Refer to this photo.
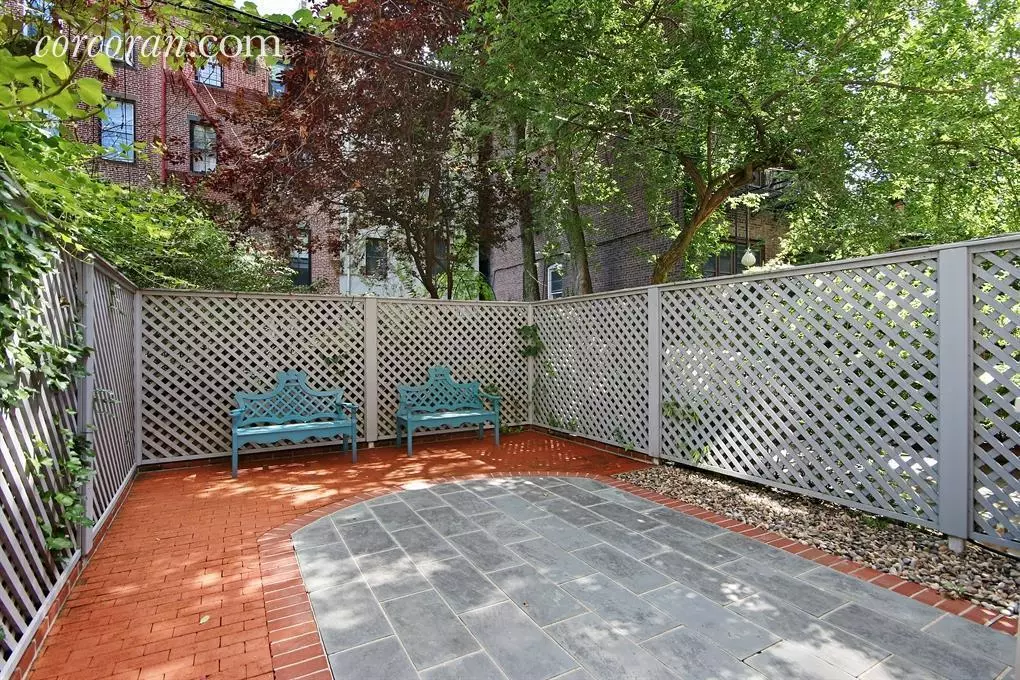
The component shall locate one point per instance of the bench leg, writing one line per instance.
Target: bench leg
(410, 435)
(233, 459)
(496, 431)
(354, 444)
(481, 431)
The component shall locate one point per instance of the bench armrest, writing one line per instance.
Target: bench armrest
(350, 407)
(494, 398)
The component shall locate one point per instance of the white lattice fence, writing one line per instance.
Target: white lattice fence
(30, 573)
(475, 340)
(199, 349)
(822, 383)
(113, 411)
(996, 394)
(592, 375)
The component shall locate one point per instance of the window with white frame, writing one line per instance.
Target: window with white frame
(554, 281)
(375, 257)
(210, 73)
(117, 130)
(203, 147)
(301, 258)
(37, 14)
(276, 85)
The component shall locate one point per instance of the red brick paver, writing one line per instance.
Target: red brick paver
(178, 589)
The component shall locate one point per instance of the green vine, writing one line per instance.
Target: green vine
(72, 471)
(533, 344)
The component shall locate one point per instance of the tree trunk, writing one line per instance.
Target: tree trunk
(706, 207)
(486, 197)
(575, 229)
(526, 217)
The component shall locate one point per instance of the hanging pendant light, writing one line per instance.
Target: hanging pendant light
(748, 260)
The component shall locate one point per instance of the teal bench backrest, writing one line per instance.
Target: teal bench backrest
(439, 393)
(292, 400)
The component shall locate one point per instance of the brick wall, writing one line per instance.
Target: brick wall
(622, 243)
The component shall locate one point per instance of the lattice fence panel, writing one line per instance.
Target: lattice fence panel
(996, 396)
(475, 340)
(823, 383)
(113, 409)
(29, 572)
(198, 350)
(592, 375)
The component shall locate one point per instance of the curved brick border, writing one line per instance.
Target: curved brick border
(297, 651)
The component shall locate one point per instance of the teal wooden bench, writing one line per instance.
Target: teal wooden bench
(292, 411)
(442, 402)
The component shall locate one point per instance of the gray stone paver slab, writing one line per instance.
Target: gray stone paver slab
(447, 521)
(969, 635)
(380, 660)
(422, 544)
(326, 566)
(428, 629)
(912, 612)
(485, 552)
(786, 588)
(693, 657)
(923, 649)
(535, 595)
(477, 666)
(794, 661)
(516, 643)
(621, 514)
(504, 529)
(714, 584)
(777, 559)
(605, 653)
(563, 534)
(518, 508)
(688, 544)
(619, 607)
(634, 544)
(842, 649)
(396, 515)
(348, 616)
(569, 579)
(461, 585)
(364, 538)
(723, 628)
(622, 568)
(391, 574)
(467, 503)
(552, 561)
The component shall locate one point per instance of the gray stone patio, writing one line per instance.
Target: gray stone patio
(539, 578)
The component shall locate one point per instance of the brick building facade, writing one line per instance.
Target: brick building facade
(621, 244)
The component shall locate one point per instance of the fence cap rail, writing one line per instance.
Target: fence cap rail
(191, 292)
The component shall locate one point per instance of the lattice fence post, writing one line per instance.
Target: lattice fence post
(86, 392)
(136, 349)
(371, 370)
(955, 412)
(654, 374)
(531, 371)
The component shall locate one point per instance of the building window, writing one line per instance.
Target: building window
(117, 130)
(277, 88)
(37, 14)
(301, 258)
(210, 73)
(728, 260)
(554, 281)
(116, 46)
(375, 257)
(203, 148)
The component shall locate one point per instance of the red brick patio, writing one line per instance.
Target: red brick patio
(175, 589)
(179, 586)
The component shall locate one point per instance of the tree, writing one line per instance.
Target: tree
(395, 146)
(866, 106)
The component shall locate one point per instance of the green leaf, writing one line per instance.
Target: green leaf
(91, 91)
(102, 61)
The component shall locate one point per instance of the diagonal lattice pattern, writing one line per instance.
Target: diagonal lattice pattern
(592, 375)
(113, 395)
(199, 350)
(476, 341)
(823, 383)
(996, 364)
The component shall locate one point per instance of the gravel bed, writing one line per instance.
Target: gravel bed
(983, 576)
